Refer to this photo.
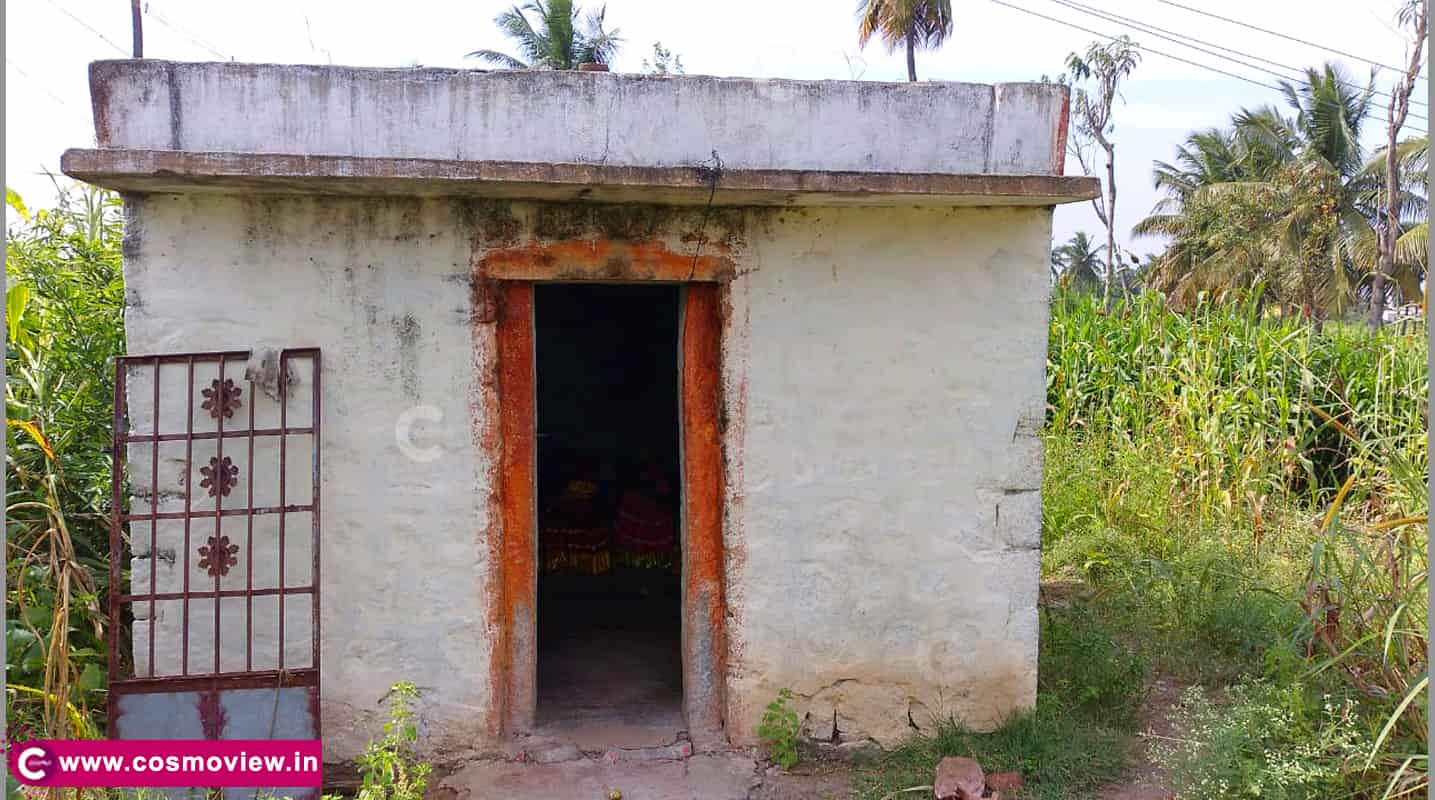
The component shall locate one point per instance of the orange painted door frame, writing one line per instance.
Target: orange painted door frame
(704, 640)
(703, 612)
(515, 654)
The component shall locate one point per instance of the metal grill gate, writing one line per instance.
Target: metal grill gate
(216, 512)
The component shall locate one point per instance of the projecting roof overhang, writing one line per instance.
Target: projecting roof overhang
(272, 173)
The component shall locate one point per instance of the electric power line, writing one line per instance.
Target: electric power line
(1142, 47)
(1151, 50)
(1295, 39)
(187, 34)
(1183, 40)
(38, 82)
(87, 27)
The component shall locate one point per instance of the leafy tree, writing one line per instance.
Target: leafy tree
(1102, 67)
(914, 24)
(665, 62)
(556, 38)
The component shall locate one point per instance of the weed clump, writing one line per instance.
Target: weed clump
(389, 765)
(779, 730)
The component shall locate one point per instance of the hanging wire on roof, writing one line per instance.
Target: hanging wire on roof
(712, 170)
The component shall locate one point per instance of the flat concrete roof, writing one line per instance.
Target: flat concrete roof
(180, 172)
(180, 127)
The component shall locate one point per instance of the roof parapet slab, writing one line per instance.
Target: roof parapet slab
(569, 117)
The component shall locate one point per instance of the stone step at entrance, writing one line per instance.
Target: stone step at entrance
(704, 776)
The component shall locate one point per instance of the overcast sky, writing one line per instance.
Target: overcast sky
(49, 42)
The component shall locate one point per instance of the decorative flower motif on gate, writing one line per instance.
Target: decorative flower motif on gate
(221, 399)
(218, 556)
(219, 476)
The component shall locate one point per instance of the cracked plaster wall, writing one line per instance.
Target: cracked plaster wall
(883, 383)
(887, 366)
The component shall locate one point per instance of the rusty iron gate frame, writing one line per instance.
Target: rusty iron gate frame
(221, 399)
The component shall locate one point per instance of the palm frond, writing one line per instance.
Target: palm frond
(547, 35)
(1363, 247)
(1413, 246)
(514, 24)
(1252, 191)
(1160, 225)
(598, 45)
(930, 22)
(498, 59)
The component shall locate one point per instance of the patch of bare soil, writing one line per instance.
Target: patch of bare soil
(820, 775)
(1145, 779)
(827, 783)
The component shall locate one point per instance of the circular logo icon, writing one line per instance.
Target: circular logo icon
(34, 763)
(404, 433)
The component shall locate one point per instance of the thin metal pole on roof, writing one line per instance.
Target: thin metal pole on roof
(137, 26)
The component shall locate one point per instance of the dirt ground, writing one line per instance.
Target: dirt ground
(739, 776)
(819, 776)
(734, 775)
(1145, 779)
(826, 782)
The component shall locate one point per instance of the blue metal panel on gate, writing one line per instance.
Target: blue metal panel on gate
(268, 713)
(157, 715)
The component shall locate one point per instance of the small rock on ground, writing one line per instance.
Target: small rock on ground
(959, 778)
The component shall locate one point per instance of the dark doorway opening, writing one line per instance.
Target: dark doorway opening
(608, 491)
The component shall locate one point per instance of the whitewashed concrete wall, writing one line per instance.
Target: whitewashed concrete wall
(382, 287)
(883, 519)
(581, 117)
(883, 382)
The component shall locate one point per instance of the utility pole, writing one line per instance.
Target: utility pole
(137, 25)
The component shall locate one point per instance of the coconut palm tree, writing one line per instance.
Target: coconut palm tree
(910, 23)
(1280, 200)
(1213, 246)
(556, 38)
(1078, 263)
(1329, 113)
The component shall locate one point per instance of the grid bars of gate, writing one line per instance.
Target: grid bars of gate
(137, 516)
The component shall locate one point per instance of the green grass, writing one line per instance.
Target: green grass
(1059, 755)
(1077, 737)
(1200, 596)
